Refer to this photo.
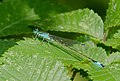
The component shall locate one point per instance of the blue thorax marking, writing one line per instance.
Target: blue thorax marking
(42, 34)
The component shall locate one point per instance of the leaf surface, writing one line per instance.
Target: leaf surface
(115, 43)
(15, 17)
(92, 51)
(113, 58)
(32, 68)
(5, 44)
(112, 15)
(83, 21)
(117, 35)
(42, 48)
(110, 73)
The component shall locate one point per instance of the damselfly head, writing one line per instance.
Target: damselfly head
(35, 31)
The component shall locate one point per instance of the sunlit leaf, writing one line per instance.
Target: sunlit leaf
(117, 35)
(112, 16)
(32, 68)
(110, 73)
(79, 21)
(92, 51)
(113, 58)
(115, 43)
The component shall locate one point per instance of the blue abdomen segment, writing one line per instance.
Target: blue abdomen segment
(99, 64)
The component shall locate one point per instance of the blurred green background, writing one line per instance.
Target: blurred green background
(99, 6)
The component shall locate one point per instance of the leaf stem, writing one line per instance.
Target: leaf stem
(105, 35)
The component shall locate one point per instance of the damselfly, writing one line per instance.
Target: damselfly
(48, 37)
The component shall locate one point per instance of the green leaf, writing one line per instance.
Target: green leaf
(112, 31)
(110, 73)
(92, 51)
(113, 58)
(15, 15)
(115, 43)
(112, 17)
(79, 21)
(21, 67)
(45, 8)
(30, 53)
(117, 35)
(5, 44)
(44, 49)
